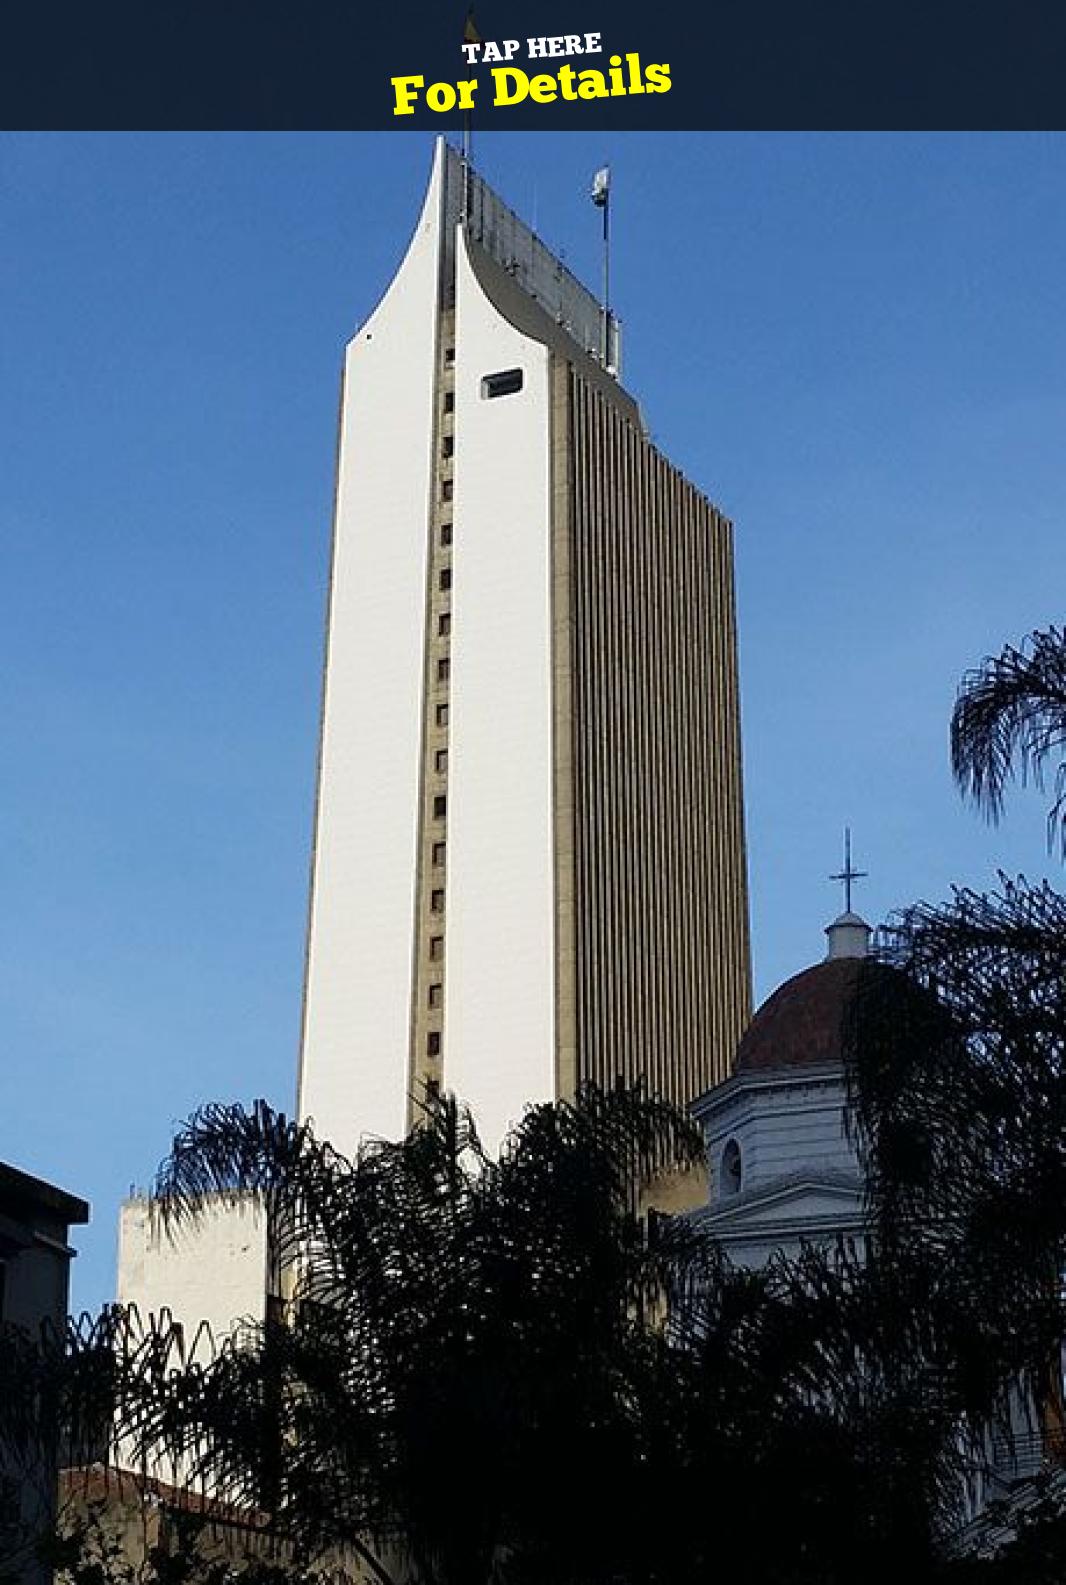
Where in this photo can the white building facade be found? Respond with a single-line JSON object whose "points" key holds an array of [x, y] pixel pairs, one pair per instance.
{"points": [[528, 866], [528, 863], [205, 1275]]}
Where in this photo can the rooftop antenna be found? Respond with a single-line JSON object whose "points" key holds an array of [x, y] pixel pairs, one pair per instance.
{"points": [[847, 874], [601, 197]]}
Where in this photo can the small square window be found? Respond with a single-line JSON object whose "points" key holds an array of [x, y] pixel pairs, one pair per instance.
{"points": [[436, 995], [440, 761], [446, 577], [446, 490], [447, 446], [433, 1043], [440, 806], [506, 383], [449, 401], [449, 354], [443, 670], [439, 850], [442, 715], [445, 533], [436, 948], [444, 624], [436, 900]]}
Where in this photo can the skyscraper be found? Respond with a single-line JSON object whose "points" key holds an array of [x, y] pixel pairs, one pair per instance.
{"points": [[528, 863]]}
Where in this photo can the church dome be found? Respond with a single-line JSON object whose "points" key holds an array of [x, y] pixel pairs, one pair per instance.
{"points": [[802, 1023]]}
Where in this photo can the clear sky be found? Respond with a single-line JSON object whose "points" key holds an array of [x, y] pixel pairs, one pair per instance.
{"points": [[856, 345]]}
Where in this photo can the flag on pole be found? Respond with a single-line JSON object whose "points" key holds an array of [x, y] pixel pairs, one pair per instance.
{"points": [[470, 32], [601, 186]]}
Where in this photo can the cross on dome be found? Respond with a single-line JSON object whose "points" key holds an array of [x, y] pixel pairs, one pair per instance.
{"points": [[847, 874]]}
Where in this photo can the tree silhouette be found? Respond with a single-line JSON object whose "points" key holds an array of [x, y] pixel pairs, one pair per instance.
{"points": [[465, 1353], [1010, 721], [958, 1074], [497, 1370]]}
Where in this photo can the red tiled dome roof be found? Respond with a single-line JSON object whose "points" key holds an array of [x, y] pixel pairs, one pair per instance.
{"points": [[802, 1023]]}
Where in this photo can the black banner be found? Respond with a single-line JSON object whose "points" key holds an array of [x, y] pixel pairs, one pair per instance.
{"points": [[330, 64]]}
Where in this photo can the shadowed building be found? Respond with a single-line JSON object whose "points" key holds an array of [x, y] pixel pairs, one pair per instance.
{"points": [[529, 856], [35, 1255]]}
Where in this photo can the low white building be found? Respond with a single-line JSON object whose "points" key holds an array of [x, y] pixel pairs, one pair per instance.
{"points": [[208, 1276]]}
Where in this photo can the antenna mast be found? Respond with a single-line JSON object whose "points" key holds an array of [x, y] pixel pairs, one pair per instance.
{"points": [[601, 197]]}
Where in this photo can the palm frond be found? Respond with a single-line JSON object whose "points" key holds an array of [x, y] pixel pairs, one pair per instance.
{"points": [[1009, 722], [477, 1373]]}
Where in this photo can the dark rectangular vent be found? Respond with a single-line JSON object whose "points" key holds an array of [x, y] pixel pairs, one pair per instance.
{"points": [[506, 383]]}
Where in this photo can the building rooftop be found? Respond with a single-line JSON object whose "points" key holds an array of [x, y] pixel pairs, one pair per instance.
{"points": [[531, 264], [802, 1023], [20, 1191]]}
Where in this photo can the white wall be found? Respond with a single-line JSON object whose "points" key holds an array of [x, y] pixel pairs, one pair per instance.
{"points": [[801, 1179], [499, 972], [212, 1272], [784, 1123], [354, 1063], [209, 1278]]}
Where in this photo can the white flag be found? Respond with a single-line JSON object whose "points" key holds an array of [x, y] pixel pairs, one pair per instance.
{"points": [[601, 186]]}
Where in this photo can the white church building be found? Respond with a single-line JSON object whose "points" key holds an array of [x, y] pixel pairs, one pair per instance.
{"points": [[782, 1169]]}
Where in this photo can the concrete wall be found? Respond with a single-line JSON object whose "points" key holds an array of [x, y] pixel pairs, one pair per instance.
{"points": [[499, 1040], [354, 1061], [213, 1273]]}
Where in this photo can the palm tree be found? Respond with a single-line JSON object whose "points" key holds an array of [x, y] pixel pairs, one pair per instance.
{"points": [[1010, 720], [465, 1339], [493, 1371], [814, 1410], [959, 1098]]}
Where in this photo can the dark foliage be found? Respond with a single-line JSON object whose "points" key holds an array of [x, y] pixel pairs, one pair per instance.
{"points": [[959, 1095], [1010, 720], [494, 1370], [490, 1372], [464, 1355]]}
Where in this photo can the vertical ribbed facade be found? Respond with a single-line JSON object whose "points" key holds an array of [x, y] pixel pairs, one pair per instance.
{"points": [[660, 940]]}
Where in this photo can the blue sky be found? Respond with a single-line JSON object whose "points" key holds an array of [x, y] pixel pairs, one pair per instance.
{"points": [[855, 344]]}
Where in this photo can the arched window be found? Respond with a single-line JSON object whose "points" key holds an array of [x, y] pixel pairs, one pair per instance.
{"points": [[732, 1170]]}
